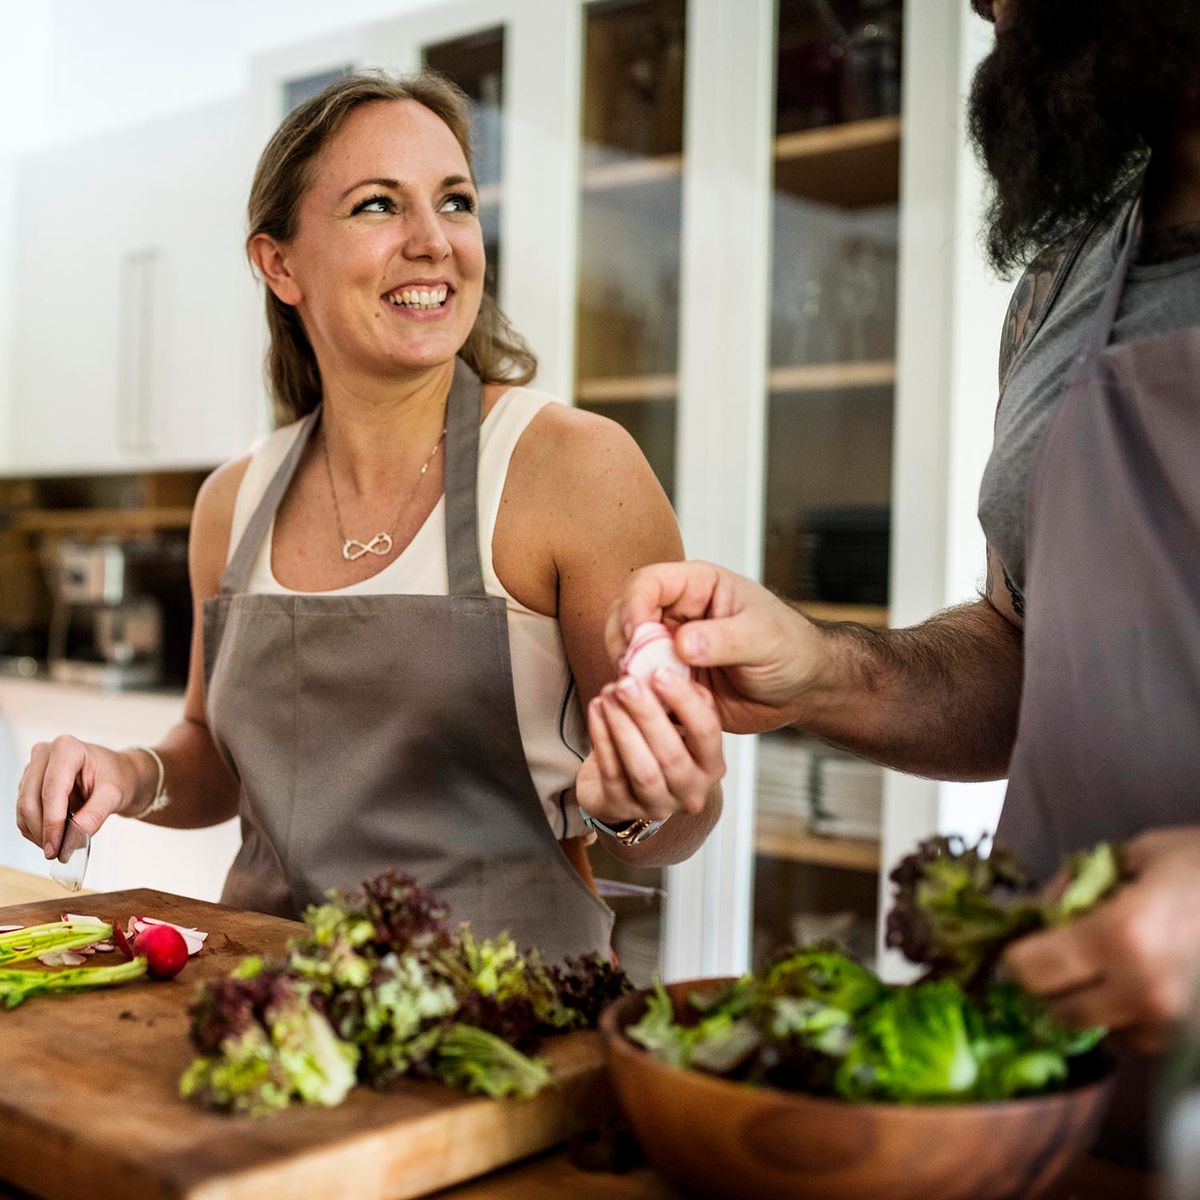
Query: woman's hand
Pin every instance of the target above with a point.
(106, 781)
(1132, 964)
(643, 763)
(758, 655)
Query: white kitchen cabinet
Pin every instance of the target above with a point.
(136, 311)
(125, 853)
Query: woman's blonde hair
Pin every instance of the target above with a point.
(494, 349)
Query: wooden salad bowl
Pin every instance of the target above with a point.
(714, 1137)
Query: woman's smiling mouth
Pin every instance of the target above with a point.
(420, 299)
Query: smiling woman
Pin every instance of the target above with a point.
(402, 592)
(289, 165)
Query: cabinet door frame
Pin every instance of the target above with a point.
(727, 160)
(541, 80)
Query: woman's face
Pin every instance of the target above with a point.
(387, 263)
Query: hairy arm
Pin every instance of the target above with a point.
(939, 699)
(942, 698)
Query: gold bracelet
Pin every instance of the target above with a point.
(161, 799)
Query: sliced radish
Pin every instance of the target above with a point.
(77, 919)
(62, 958)
(10, 928)
(193, 937)
(122, 941)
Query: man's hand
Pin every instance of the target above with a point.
(1133, 963)
(757, 655)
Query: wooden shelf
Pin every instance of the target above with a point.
(102, 520)
(876, 616)
(787, 837)
(829, 377)
(856, 165)
(637, 172)
(620, 389)
(814, 377)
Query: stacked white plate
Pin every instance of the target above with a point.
(848, 797)
(636, 943)
(785, 768)
(853, 932)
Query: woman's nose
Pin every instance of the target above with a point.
(425, 237)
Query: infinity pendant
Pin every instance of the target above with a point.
(380, 544)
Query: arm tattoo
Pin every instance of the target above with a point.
(1030, 301)
(1015, 593)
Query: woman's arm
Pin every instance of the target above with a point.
(203, 791)
(590, 498)
(201, 788)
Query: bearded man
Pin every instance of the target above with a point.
(1077, 673)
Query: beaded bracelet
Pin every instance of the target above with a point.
(161, 799)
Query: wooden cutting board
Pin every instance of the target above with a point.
(89, 1104)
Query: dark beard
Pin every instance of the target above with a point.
(1066, 109)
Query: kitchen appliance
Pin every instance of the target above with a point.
(115, 619)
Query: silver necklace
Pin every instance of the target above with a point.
(381, 543)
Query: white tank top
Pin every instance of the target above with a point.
(549, 714)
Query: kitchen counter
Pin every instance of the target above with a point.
(551, 1176)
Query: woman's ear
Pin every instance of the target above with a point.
(270, 260)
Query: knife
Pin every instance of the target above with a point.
(68, 869)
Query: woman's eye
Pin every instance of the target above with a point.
(459, 202)
(374, 204)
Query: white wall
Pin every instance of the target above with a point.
(125, 61)
(70, 69)
(24, 62)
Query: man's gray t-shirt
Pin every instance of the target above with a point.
(1157, 299)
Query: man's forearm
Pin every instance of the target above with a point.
(939, 699)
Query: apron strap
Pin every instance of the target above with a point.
(464, 410)
(237, 571)
(1106, 315)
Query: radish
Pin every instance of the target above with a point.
(652, 648)
(193, 937)
(164, 950)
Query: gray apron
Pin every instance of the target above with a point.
(1108, 742)
(377, 731)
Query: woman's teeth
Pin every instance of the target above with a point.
(419, 297)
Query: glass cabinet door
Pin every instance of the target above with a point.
(476, 63)
(828, 449)
(627, 303)
(627, 308)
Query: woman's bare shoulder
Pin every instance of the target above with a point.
(212, 521)
(579, 468)
(580, 443)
